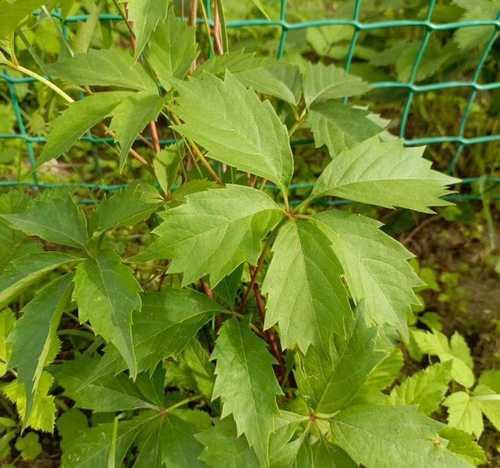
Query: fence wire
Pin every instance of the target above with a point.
(426, 25)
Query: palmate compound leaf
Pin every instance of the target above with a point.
(165, 325)
(107, 295)
(26, 270)
(464, 413)
(235, 126)
(78, 118)
(224, 227)
(131, 116)
(34, 339)
(375, 265)
(56, 219)
(384, 173)
(133, 204)
(385, 436)
(144, 16)
(172, 50)
(340, 126)
(306, 296)
(105, 67)
(330, 379)
(322, 83)
(246, 384)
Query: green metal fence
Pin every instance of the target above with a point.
(426, 25)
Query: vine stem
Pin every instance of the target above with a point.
(42, 80)
(182, 403)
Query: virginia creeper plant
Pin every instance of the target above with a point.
(266, 332)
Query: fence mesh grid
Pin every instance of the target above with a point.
(426, 25)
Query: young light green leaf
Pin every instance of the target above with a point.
(35, 335)
(330, 381)
(376, 266)
(108, 394)
(385, 373)
(322, 83)
(489, 402)
(172, 50)
(27, 270)
(128, 207)
(464, 412)
(387, 174)
(106, 67)
(78, 118)
(57, 219)
(107, 295)
(306, 296)
(130, 118)
(383, 436)
(246, 384)
(436, 344)
(7, 324)
(13, 11)
(340, 126)
(235, 126)
(43, 412)
(144, 16)
(426, 388)
(225, 226)
(29, 446)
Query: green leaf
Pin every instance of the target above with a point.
(224, 449)
(178, 445)
(105, 67)
(130, 118)
(464, 413)
(56, 219)
(172, 50)
(246, 384)
(462, 444)
(92, 447)
(322, 83)
(328, 380)
(224, 122)
(126, 208)
(491, 378)
(166, 164)
(426, 388)
(340, 126)
(321, 454)
(274, 78)
(387, 174)
(436, 344)
(29, 446)
(23, 272)
(144, 16)
(35, 335)
(7, 324)
(13, 12)
(107, 294)
(43, 412)
(376, 266)
(471, 38)
(383, 436)
(167, 323)
(225, 226)
(77, 119)
(306, 296)
(107, 394)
